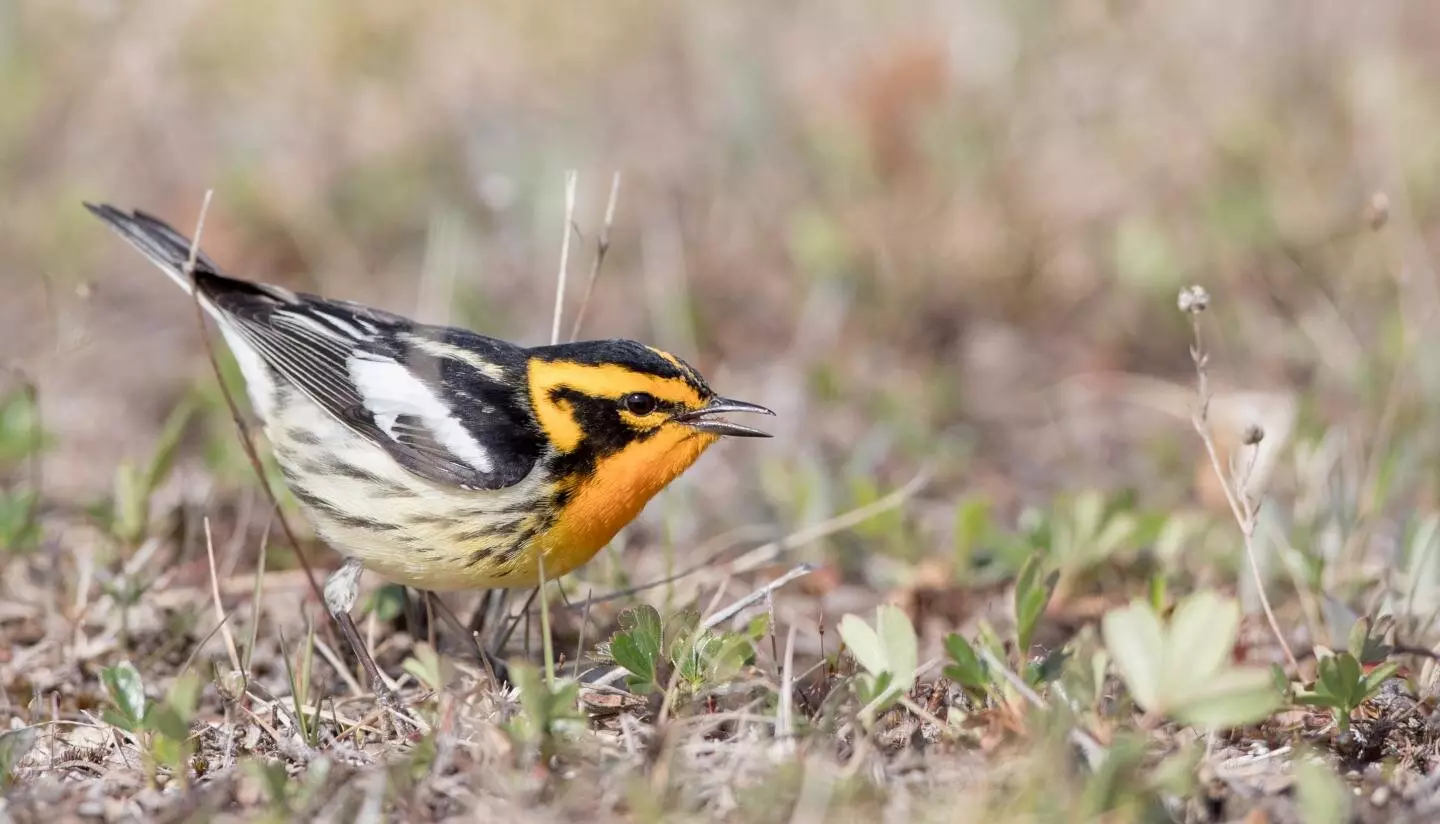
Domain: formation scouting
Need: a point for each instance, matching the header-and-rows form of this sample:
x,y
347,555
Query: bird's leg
x,y
341,590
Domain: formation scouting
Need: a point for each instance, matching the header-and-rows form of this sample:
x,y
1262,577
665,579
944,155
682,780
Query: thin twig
x,y
580,644
767,552
215,594
508,628
1194,301
785,721
798,571
570,178
602,247
234,408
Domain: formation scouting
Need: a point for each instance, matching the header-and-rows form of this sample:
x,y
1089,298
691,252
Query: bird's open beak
x,y
704,418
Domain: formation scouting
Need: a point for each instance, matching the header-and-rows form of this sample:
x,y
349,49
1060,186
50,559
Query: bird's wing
x,y
448,405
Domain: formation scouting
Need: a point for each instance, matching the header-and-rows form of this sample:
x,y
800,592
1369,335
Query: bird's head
x,y
607,396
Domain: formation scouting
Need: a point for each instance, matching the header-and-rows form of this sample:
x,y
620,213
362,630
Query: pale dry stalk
x,y
1193,302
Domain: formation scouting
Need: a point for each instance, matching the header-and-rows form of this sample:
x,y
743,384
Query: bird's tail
x,y
166,248
219,293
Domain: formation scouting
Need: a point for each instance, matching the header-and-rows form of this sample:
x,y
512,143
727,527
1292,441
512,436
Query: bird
x,y
437,457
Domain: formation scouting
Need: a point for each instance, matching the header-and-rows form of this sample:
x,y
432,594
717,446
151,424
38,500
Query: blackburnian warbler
x,y
440,458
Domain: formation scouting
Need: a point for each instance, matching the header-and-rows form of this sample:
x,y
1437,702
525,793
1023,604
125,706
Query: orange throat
x,y
619,488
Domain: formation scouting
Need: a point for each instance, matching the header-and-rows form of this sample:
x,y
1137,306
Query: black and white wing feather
x,y
447,404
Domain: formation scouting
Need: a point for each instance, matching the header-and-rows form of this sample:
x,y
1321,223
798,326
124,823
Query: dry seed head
x,y
1254,434
1194,300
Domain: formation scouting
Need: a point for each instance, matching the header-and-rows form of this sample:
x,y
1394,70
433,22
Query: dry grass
x,y
942,240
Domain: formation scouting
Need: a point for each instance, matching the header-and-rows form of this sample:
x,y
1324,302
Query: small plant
x,y
889,654
1343,685
162,730
653,652
549,712
1032,596
1182,670
967,668
135,484
1090,531
300,676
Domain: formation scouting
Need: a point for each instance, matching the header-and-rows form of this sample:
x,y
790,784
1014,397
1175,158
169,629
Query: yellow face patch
x,y
598,381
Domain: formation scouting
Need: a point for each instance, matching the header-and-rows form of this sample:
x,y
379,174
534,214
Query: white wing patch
x,y
390,390
259,383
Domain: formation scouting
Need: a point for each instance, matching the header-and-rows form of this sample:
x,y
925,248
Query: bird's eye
x,y
639,403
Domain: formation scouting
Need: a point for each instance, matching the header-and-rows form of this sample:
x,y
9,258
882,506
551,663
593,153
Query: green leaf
x,y
1183,670
873,688
966,667
127,691
642,623
678,633
1328,680
640,665
1316,699
1349,676
637,647
168,751
1230,698
1279,679
864,644
166,721
1359,634
1202,635
1376,677
758,627
901,648
1136,642
1032,595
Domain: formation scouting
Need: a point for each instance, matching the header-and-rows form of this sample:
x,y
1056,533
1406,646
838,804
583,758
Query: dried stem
x,y
570,178
1193,302
602,247
503,632
234,408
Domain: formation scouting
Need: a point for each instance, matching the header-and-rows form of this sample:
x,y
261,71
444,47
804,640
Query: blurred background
x,y
942,239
